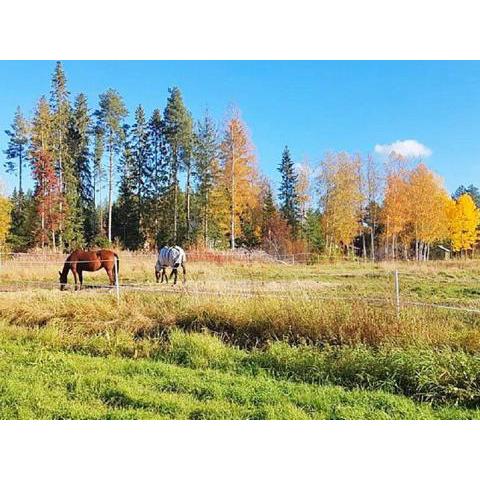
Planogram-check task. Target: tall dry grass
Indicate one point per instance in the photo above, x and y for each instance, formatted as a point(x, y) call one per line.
point(243, 321)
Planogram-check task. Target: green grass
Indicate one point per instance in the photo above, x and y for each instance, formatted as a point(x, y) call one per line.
point(298, 355)
point(41, 381)
point(47, 374)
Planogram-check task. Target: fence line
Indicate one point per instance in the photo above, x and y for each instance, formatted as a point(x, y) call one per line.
point(396, 299)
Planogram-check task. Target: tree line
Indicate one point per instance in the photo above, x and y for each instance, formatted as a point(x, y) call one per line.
point(170, 179)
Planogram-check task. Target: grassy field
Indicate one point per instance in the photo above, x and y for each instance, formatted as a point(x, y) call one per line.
point(243, 340)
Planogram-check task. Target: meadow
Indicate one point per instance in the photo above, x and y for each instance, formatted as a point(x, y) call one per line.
point(242, 339)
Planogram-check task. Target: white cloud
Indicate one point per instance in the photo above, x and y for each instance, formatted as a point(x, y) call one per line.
point(405, 148)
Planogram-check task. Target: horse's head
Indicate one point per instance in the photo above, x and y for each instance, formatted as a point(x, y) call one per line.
point(63, 280)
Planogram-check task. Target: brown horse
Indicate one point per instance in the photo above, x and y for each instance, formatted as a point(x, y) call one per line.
point(81, 261)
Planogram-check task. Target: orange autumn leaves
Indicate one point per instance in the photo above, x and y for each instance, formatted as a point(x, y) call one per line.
point(417, 208)
point(415, 213)
point(240, 182)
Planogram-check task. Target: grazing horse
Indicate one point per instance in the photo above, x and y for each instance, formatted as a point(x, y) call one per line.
point(81, 261)
point(173, 257)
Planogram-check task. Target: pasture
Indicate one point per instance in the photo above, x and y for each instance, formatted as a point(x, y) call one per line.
point(242, 339)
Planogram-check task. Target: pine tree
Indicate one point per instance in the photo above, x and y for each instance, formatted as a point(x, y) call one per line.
point(206, 168)
point(98, 179)
point(178, 131)
point(16, 151)
point(110, 116)
point(79, 142)
point(288, 193)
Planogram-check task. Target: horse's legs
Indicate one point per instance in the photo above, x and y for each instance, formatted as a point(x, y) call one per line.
point(75, 277)
point(184, 273)
point(157, 274)
point(164, 274)
point(174, 274)
point(111, 275)
point(80, 277)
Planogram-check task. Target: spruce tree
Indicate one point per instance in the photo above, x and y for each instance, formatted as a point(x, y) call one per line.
point(206, 170)
point(461, 190)
point(79, 143)
point(126, 223)
point(110, 116)
point(178, 131)
point(289, 204)
point(24, 221)
point(140, 151)
point(16, 151)
point(313, 231)
point(156, 186)
point(61, 117)
point(473, 191)
point(268, 210)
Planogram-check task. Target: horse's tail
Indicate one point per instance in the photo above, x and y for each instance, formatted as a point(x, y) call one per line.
point(118, 263)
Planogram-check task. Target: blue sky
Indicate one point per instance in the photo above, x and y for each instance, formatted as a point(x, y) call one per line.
point(312, 107)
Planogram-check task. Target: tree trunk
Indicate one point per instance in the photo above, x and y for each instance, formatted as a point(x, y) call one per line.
point(110, 188)
point(372, 243)
point(60, 167)
point(175, 208)
point(187, 207)
point(364, 246)
point(205, 221)
point(175, 195)
point(43, 229)
point(20, 172)
point(232, 212)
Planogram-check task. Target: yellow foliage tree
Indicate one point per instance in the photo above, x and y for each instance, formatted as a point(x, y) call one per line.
point(464, 219)
point(340, 199)
point(427, 205)
point(395, 211)
point(303, 188)
point(5, 219)
point(240, 175)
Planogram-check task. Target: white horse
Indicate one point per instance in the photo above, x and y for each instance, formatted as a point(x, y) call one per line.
point(173, 257)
